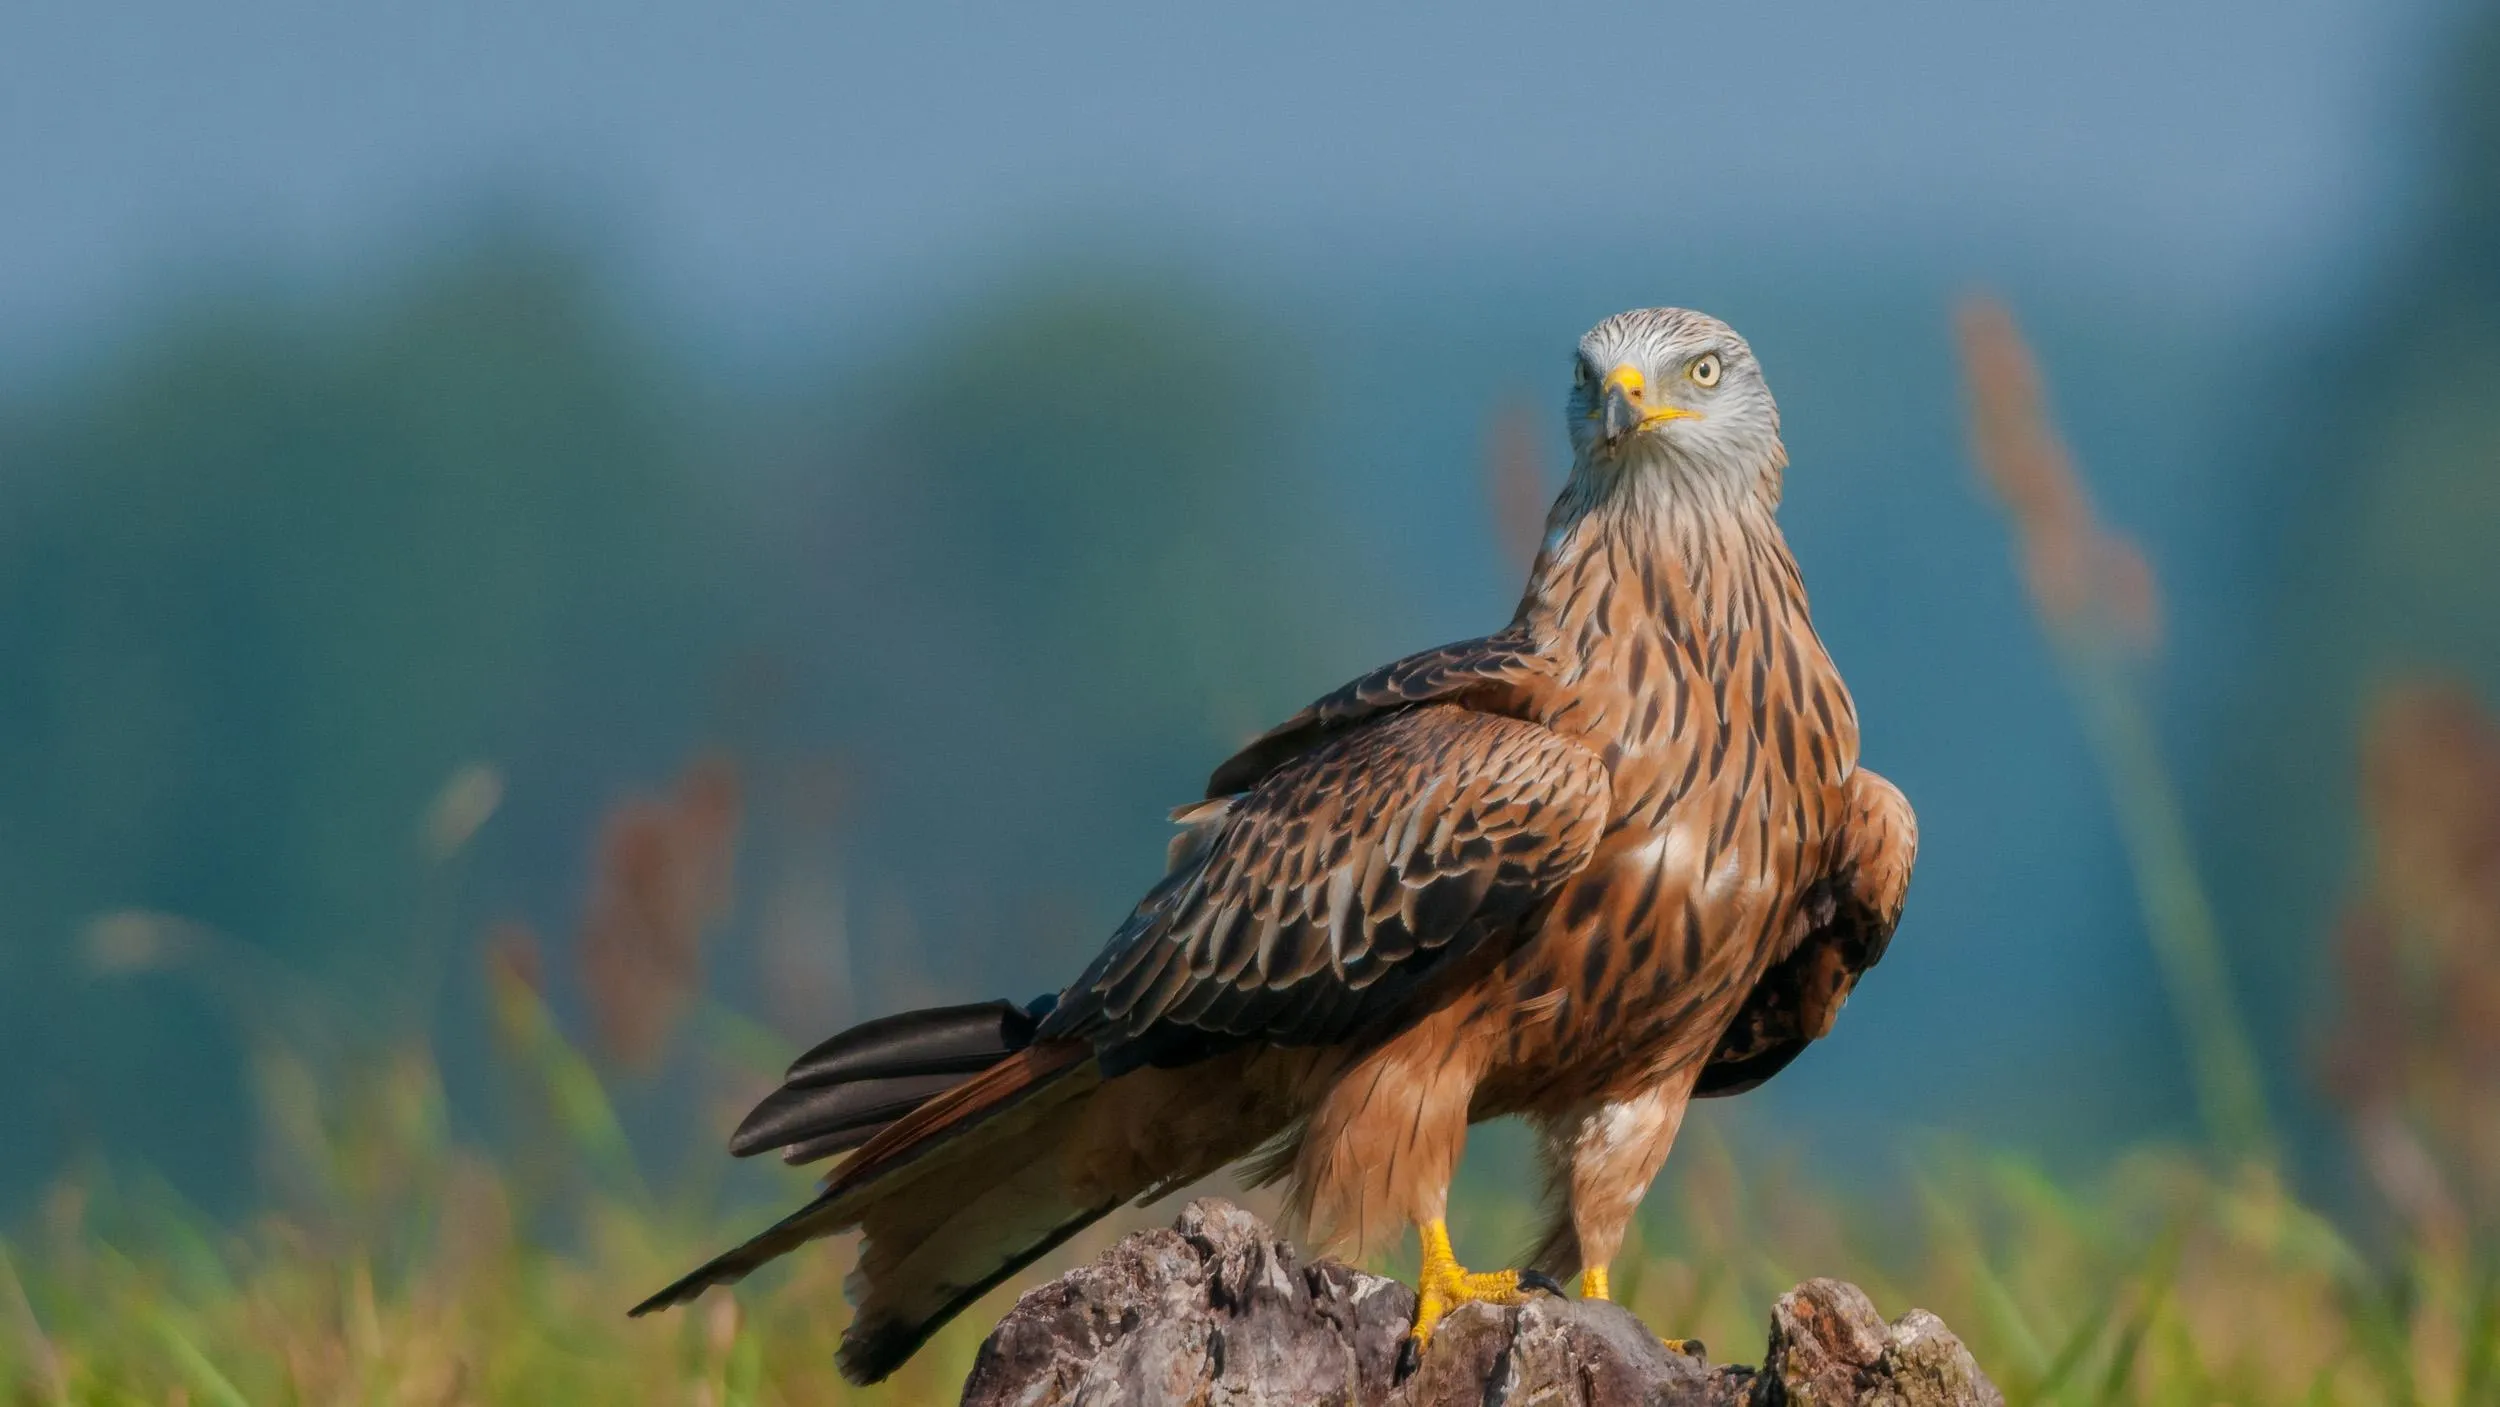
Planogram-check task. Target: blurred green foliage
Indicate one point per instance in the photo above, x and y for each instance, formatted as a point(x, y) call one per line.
point(2378, 445)
point(267, 583)
point(276, 578)
point(403, 1264)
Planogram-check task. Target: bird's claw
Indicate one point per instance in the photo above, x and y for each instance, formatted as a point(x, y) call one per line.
point(1539, 1280)
point(1444, 1285)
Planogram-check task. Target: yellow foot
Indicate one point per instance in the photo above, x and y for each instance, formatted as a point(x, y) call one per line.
point(1444, 1285)
point(1593, 1287)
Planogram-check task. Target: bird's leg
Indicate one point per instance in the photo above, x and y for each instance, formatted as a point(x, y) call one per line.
point(1444, 1284)
point(1613, 1153)
point(1594, 1286)
point(1387, 1135)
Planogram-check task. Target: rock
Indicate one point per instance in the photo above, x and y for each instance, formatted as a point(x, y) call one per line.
point(1926, 1363)
point(1829, 1348)
point(1216, 1310)
point(1219, 1312)
point(1562, 1351)
point(1826, 1340)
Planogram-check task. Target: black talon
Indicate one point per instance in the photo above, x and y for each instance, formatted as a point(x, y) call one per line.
point(1410, 1357)
point(1539, 1280)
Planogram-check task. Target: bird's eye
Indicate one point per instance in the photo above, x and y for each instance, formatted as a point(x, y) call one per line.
point(1581, 376)
point(1704, 370)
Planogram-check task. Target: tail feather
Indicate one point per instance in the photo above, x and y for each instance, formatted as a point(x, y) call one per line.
point(823, 1146)
point(847, 1090)
point(959, 1109)
point(795, 1115)
point(964, 1228)
point(961, 1040)
point(956, 1223)
point(979, 1181)
point(815, 1219)
point(873, 1347)
point(898, 1160)
point(944, 1227)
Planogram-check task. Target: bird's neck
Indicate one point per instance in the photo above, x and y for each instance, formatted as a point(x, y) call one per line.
point(1696, 559)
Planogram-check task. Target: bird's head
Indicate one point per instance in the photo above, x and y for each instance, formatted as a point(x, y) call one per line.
point(1673, 390)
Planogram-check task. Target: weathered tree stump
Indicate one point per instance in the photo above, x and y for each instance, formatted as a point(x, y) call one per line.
point(1219, 1312)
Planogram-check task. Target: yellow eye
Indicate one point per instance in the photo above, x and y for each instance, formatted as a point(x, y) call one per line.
point(1704, 370)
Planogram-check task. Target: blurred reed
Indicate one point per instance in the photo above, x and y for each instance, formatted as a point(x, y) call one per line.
point(661, 877)
point(1516, 489)
point(2096, 598)
point(803, 930)
point(2413, 1055)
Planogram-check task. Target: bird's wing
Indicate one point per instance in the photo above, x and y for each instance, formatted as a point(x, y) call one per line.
point(1491, 674)
point(1311, 907)
point(1849, 918)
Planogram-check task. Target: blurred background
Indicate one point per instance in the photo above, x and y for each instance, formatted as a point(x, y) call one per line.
point(739, 519)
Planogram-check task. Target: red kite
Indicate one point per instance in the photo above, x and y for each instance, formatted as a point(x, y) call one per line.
point(1616, 855)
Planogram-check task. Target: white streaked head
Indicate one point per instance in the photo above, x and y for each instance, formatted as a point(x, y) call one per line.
point(1675, 390)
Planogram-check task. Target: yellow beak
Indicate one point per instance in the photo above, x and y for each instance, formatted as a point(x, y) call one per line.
point(1623, 405)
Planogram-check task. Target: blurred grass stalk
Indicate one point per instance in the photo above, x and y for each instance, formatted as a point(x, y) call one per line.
point(2097, 601)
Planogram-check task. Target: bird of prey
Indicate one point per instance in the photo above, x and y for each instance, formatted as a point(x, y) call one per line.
point(1611, 857)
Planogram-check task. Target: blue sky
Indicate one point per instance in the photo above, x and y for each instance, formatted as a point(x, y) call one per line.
point(763, 165)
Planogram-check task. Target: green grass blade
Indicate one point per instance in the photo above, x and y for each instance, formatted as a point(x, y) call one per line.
point(203, 1374)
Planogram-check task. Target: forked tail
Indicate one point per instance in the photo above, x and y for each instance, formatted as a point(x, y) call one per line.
point(957, 1183)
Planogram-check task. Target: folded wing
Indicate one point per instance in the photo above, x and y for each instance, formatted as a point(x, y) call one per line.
point(1850, 915)
point(1311, 907)
point(1497, 674)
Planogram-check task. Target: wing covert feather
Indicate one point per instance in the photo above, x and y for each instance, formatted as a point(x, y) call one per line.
point(1494, 674)
point(1309, 906)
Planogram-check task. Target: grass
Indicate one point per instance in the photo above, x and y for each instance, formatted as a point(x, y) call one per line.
point(411, 1269)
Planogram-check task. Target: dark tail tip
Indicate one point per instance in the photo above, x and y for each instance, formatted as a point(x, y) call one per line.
point(679, 1292)
point(840, 1094)
point(872, 1349)
point(938, 1040)
point(843, 1093)
point(742, 1260)
point(799, 1114)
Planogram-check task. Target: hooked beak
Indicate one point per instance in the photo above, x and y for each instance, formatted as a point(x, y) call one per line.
point(1624, 405)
